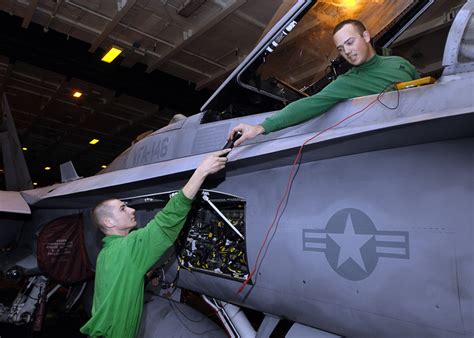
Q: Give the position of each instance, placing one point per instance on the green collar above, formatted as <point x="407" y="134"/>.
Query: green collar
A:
<point x="368" y="64"/>
<point x="373" y="61"/>
<point x="107" y="239"/>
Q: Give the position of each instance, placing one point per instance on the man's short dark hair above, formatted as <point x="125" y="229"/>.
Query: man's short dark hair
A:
<point x="356" y="23"/>
<point x="101" y="211"/>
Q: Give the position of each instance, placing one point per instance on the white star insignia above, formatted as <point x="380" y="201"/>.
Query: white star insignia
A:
<point x="350" y="243"/>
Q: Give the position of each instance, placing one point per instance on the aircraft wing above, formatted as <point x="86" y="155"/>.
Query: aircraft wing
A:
<point x="13" y="202"/>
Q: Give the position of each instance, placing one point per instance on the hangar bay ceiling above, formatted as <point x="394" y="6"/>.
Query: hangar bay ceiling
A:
<point x="174" y="53"/>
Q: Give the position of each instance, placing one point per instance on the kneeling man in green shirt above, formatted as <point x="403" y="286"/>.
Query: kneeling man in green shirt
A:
<point x="126" y="257"/>
<point x="370" y="74"/>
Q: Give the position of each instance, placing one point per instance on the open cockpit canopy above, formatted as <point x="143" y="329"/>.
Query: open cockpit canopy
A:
<point x="298" y="57"/>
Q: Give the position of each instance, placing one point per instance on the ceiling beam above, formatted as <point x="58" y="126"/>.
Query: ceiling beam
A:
<point x="79" y="125"/>
<point x="53" y="14"/>
<point x="52" y="126"/>
<point x="112" y="37"/>
<point x="134" y="122"/>
<point x="29" y="13"/>
<point x="139" y="111"/>
<point x="43" y="108"/>
<point x="120" y="41"/>
<point x="250" y="19"/>
<point x="8" y="72"/>
<point x="284" y="8"/>
<point x="422" y="29"/>
<point x="204" y="83"/>
<point x="201" y="29"/>
<point x="111" y="25"/>
<point x="113" y="135"/>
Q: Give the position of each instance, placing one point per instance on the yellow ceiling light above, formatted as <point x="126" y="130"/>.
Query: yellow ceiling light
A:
<point x="349" y="3"/>
<point x="94" y="141"/>
<point x="35" y="184"/>
<point x="47" y="168"/>
<point x="103" y="166"/>
<point x="346" y="4"/>
<point x="24" y="148"/>
<point x="111" y="54"/>
<point x="77" y="94"/>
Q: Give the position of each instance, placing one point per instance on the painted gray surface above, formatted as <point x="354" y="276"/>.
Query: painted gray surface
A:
<point x="300" y="331"/>
<point x="12" y="201"/>
<point x="16" y="172"/>
<point x="460" y="41"/>
<point x="425" y="191"/>
<point x="267" y="326"/>
<point x="423" y="104"/>
<point x="165" y="318"/>
<point x="376" y="237"/>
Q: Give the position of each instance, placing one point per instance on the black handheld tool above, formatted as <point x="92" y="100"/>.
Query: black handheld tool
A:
<point x="216" y="179"/>
<point x="230" y="143"/>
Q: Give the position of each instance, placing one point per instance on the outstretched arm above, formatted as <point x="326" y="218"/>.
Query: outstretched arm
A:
<point x="295" y="113"/>
<point x="249" y="131"/>
<point x="211" y="164"/>
<point x="148" y="244"/>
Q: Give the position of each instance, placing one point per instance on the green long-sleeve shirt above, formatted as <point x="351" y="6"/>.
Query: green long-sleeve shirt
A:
<point x="371" y="77"/>
<point x="121" y="266"/>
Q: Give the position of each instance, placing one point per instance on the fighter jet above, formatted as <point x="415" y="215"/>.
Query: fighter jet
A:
<point x="358" y="223"/>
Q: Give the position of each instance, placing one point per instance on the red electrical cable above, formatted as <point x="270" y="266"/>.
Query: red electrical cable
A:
<point x="290" y="177"/>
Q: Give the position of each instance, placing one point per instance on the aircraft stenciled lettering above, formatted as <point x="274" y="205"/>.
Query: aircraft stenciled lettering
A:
<point x="153" y="152"/>
<point x="353" y="245"/>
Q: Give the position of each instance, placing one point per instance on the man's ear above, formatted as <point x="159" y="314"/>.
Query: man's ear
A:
<point x="366" y="36"/>
<point x="108" y="222"/>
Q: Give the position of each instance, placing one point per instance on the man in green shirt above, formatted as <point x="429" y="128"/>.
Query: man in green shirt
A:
<point x="370" y="74"/>
<point x="125" y="258"/>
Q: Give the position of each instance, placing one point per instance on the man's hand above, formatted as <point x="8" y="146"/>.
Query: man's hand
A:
<point x="248" y="131"/>
<point x="213" y="163"/>
<point x="210" y="165"/>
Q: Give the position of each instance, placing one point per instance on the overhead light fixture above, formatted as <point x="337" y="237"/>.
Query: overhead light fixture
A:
<point x="103" y="166"/>
<point x="111" y="54"/>
<point x="350" y="3"/>
<point x="94" y="141"/>
<point x="77" y="94"/>
<point x="47" y="168"/>
<point x="24" y="148"/>
<point x="35" y="184"/>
